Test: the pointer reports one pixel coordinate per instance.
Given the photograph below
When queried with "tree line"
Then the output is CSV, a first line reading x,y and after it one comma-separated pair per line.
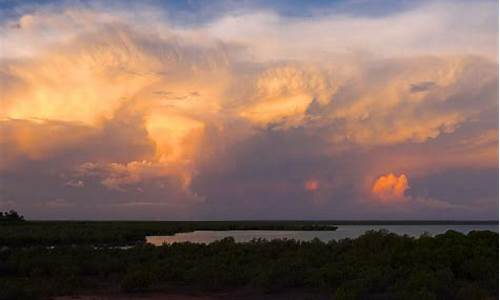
x,y
10,216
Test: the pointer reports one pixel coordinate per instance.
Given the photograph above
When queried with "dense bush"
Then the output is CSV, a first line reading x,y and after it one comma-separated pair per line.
x,y
10,217
377,265
136,281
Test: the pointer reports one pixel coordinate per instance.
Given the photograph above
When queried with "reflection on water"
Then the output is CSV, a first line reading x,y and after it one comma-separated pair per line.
x,y
343,231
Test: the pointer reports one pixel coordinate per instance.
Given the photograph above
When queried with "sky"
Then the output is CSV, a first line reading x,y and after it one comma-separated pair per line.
x,y
218,110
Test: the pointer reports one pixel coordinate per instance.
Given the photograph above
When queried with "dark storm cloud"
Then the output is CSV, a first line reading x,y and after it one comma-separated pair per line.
x,y
422,86
265,176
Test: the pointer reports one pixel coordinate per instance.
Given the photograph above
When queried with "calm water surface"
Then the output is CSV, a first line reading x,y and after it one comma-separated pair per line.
x,y
343,231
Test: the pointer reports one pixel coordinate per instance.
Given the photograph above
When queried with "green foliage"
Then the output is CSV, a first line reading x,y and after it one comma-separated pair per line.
x,y
377,265
17,289
10,217
136,281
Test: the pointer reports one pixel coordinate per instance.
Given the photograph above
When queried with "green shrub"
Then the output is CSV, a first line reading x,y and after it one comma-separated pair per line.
x,y
136,281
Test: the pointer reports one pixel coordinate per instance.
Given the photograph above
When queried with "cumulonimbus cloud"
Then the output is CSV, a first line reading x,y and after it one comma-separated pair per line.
x,y
143,103
390,187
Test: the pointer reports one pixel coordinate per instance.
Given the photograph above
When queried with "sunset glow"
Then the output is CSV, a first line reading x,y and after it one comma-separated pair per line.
x,y
107,107
311,185
390,187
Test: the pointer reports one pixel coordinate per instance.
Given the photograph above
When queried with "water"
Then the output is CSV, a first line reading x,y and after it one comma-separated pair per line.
x,y
343,231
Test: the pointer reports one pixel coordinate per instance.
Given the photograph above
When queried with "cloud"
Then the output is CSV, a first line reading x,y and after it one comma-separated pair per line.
x,y
248,111
422,86
27,139
311,185
58,203
75,183
430,29
390,187
438,204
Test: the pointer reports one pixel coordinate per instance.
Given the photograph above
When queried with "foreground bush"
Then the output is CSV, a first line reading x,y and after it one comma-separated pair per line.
x,y
136,281
377,265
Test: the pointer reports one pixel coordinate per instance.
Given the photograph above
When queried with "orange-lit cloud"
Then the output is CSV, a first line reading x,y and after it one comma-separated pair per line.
x,y
311,185
130,101
390,187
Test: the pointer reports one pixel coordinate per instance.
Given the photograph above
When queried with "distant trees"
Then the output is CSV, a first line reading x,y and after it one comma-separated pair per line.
x,y
120,233
10,216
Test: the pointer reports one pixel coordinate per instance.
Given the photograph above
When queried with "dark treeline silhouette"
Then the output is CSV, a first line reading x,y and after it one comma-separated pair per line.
x,y
50,233
377,265
10,216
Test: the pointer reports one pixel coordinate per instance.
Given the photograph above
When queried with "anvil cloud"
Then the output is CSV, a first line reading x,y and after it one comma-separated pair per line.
x,y
112,112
